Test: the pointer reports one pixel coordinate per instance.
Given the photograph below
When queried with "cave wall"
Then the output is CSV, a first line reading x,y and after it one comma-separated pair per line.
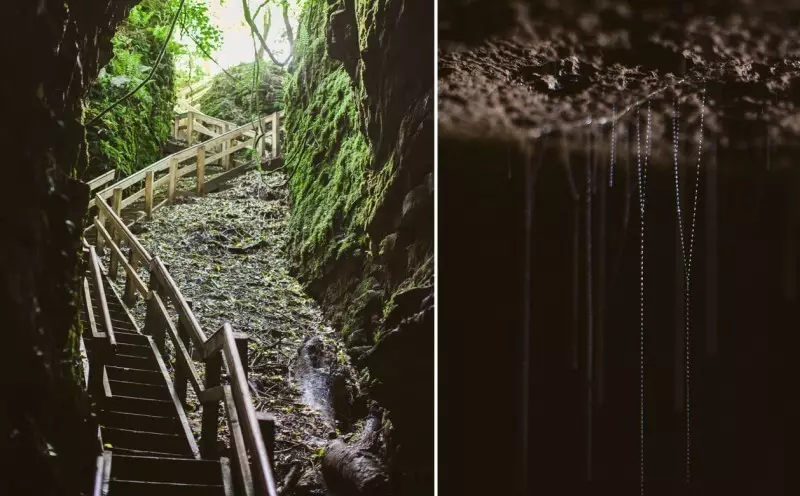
x,y
53,49
359,154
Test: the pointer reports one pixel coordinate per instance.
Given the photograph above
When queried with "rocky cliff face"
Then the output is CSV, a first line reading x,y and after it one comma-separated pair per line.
x,y
53,50
359,150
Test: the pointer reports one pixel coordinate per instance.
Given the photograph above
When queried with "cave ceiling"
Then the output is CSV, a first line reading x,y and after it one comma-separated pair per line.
x,y
521,69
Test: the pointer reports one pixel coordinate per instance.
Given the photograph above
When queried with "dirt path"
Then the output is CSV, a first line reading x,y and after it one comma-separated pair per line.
x,y
226,252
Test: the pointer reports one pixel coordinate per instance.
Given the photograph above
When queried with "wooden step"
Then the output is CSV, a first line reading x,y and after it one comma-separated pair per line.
x,y
139,488
140,422
163,469
142,376
140,405
133,362
139,390
146,441
135,452
143,350
130,338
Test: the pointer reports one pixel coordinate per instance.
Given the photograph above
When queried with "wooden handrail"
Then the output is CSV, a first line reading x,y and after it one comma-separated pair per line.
x,y
170,289
247,412
133,242
185,154
129,269
101,295
182,354
101,180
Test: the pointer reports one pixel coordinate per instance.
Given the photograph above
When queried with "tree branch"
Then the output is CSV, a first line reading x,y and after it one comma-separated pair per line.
x,y
249,18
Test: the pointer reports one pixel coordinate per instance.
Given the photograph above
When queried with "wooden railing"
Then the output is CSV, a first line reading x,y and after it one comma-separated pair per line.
x,y
104,343
219,148
251,433
250,444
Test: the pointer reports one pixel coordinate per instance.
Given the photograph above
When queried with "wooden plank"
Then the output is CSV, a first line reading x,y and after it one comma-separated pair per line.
x,y
132,285
134,178
98,476
84,360
173,178
187,431
101,295
101,180
170,289
201,170
187,170
190,128
154,321
96,334
137,281
227,479
266,422
230,150
114,263
127,202
201,129
238,450
106,472
148,194
132,240
216,341
212,394
211,408
181,352
247,414
276,143
207,119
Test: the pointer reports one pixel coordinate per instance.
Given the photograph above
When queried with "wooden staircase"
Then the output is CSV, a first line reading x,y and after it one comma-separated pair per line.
x,y
146,442
149,447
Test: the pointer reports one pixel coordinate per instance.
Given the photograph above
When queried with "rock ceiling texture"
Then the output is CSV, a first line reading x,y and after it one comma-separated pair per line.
x,y
522,69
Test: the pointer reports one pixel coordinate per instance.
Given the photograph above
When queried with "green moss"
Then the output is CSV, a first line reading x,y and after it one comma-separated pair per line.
x,y
327,155
132,135
232,100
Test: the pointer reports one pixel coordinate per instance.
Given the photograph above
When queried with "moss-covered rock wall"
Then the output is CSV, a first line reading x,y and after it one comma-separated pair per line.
x,y
52,50
359,154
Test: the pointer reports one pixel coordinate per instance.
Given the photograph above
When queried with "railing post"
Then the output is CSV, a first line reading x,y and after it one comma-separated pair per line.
x,y
181,375
241,347
173,179
116,205
208,436
276,135
201,169
148,194
189,128
96,367
153,323
176,124
101,218
262,144
130,287
266,423
226,145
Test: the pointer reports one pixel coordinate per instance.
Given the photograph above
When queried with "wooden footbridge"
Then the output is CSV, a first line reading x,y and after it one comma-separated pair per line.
x,y
144,436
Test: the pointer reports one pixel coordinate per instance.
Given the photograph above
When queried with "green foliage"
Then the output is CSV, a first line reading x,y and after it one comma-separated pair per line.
x,y
327,154
132,135
233,100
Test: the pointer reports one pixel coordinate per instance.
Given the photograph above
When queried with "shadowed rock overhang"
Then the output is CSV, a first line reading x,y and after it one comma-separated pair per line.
x,y
517,70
